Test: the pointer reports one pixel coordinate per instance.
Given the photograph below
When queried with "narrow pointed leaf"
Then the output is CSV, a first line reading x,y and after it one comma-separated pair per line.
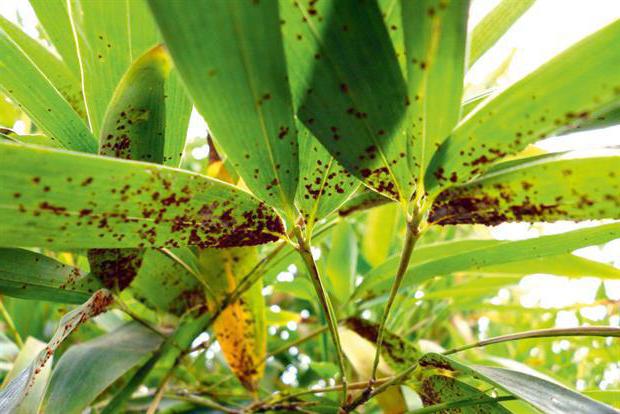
x,y
12,395
87,369
435,33
494,25
473,255
54,17
241,328
28,275
31,402
357,118
546,396
324,184
236,74
58,73
68,200
437,389
571,186
164,283
24,83
576,88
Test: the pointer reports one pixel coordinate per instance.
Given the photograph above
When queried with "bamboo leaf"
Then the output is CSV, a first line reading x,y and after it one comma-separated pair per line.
x,y
576,88
68,200
494,25
435,34
24,83
54,17
571,186
357,118
381,223
241,328
236,74
87,369
166,284
437,389
342,262
324,184
546,396
469,255
58,73
31,402
12,395
28,275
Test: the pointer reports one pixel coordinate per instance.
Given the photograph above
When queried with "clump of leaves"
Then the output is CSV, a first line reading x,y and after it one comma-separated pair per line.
x,y
330,122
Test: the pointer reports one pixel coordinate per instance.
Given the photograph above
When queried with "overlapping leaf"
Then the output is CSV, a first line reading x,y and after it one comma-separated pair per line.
x,y
576,88
26,84
435,34
30,275
12,395
572,186
446,258
87,369
357,118
241,328
236,74
69,200
546,396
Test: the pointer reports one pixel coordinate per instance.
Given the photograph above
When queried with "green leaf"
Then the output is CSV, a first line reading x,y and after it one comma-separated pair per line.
x,y
23,82
54,16
546,396
567,90
31,402
55,70
12,395
570,186
324,184
494,25
34,139
342,262
29,275
68,200
381,224
435,33
165,284
604,120
236,74
357,118
364,199
469,255
87,369
437,389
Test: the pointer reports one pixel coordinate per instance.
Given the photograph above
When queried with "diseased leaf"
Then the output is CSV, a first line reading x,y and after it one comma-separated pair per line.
x,y
324,185
31,402
68,200
29,275
240,329
494,25
357,118
236,74
570,186
546,396
58,73
437,389
87,369
165,284
24,83
12,395
435,33
570,88
364,199
54,16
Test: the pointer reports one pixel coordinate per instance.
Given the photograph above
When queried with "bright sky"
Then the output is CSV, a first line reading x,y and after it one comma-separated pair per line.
x,y
549,27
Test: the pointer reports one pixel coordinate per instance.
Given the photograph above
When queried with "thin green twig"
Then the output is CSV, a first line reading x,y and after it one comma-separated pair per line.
x,y
9,323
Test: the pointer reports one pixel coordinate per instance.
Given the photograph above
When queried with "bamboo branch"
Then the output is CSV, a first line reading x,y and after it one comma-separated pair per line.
x,y
306,254
542,333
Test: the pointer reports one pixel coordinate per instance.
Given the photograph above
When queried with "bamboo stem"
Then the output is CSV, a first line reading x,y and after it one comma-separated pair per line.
x,y
306,254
